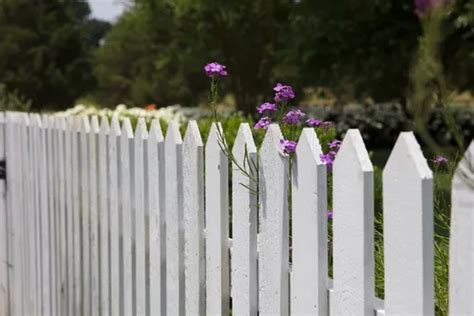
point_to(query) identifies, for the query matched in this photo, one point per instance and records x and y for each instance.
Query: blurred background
(380, 65)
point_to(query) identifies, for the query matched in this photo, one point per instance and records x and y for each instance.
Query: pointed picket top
(155, 133)
(244, 141)
(408, 220)
(465, 170)
(173, 135)
(214, 139)
(192, 136)
(141, 131)
(127, 131)
(309, 240)
(407, 150)
(104, 125)
(273, 238)
(353, 228)
(85, 126)
(244, 224)
(271, 142)
(353, 148)
(309, 146)
(115, 126)
(95, 124)
(461, 291)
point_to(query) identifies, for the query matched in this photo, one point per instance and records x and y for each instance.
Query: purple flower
(423, 6)
(215, 70)
(329, 214)
(312, 122)
(293, 117)
(288, 146)
(266, 107)
(440, 160)
(328, 159)
(264, 122)
(327, 124)
(283, 93)
(335, 144)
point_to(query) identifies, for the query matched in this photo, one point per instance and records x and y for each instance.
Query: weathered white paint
(85, 216)
(217, 224)
(76, 210)
(193, 205)
(244, 224)
(154, 187)
(45, 228)
(126, 187)
(103, 215)
(4, 289)
(68, 139)
(273, 238)
(62, 290)
(353, 229)
(174, 221)
(114, 196)
(141, 135)
(461, 260)
(94, 214)
(408, 230)
(309, 221)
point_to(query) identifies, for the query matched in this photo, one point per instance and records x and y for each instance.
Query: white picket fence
(104, 220)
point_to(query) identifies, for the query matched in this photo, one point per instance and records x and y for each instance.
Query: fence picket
(92, 140)
(35, 142)
(4, 288)
(85, 217)
(103, 200)
(193, 204)
(141, 135)
(61, 131)
(155, 196)
(115, 216)
(174, 221)
(217, 223)
(76, 199)
(309, 239)
(96, 221)
(126, 187)
(273, 238)
(353, 229)
(461, 271)
(408, 230)
(68, 139)
(244, 224)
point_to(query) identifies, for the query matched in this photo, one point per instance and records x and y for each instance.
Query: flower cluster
(293, 117)
(288, 146)
(328, 158)
(215, 70)
(283, 93)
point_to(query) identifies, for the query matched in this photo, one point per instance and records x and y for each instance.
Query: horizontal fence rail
(101, 218)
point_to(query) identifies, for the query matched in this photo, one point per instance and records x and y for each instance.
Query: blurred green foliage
(358, 49)
(45, 50)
